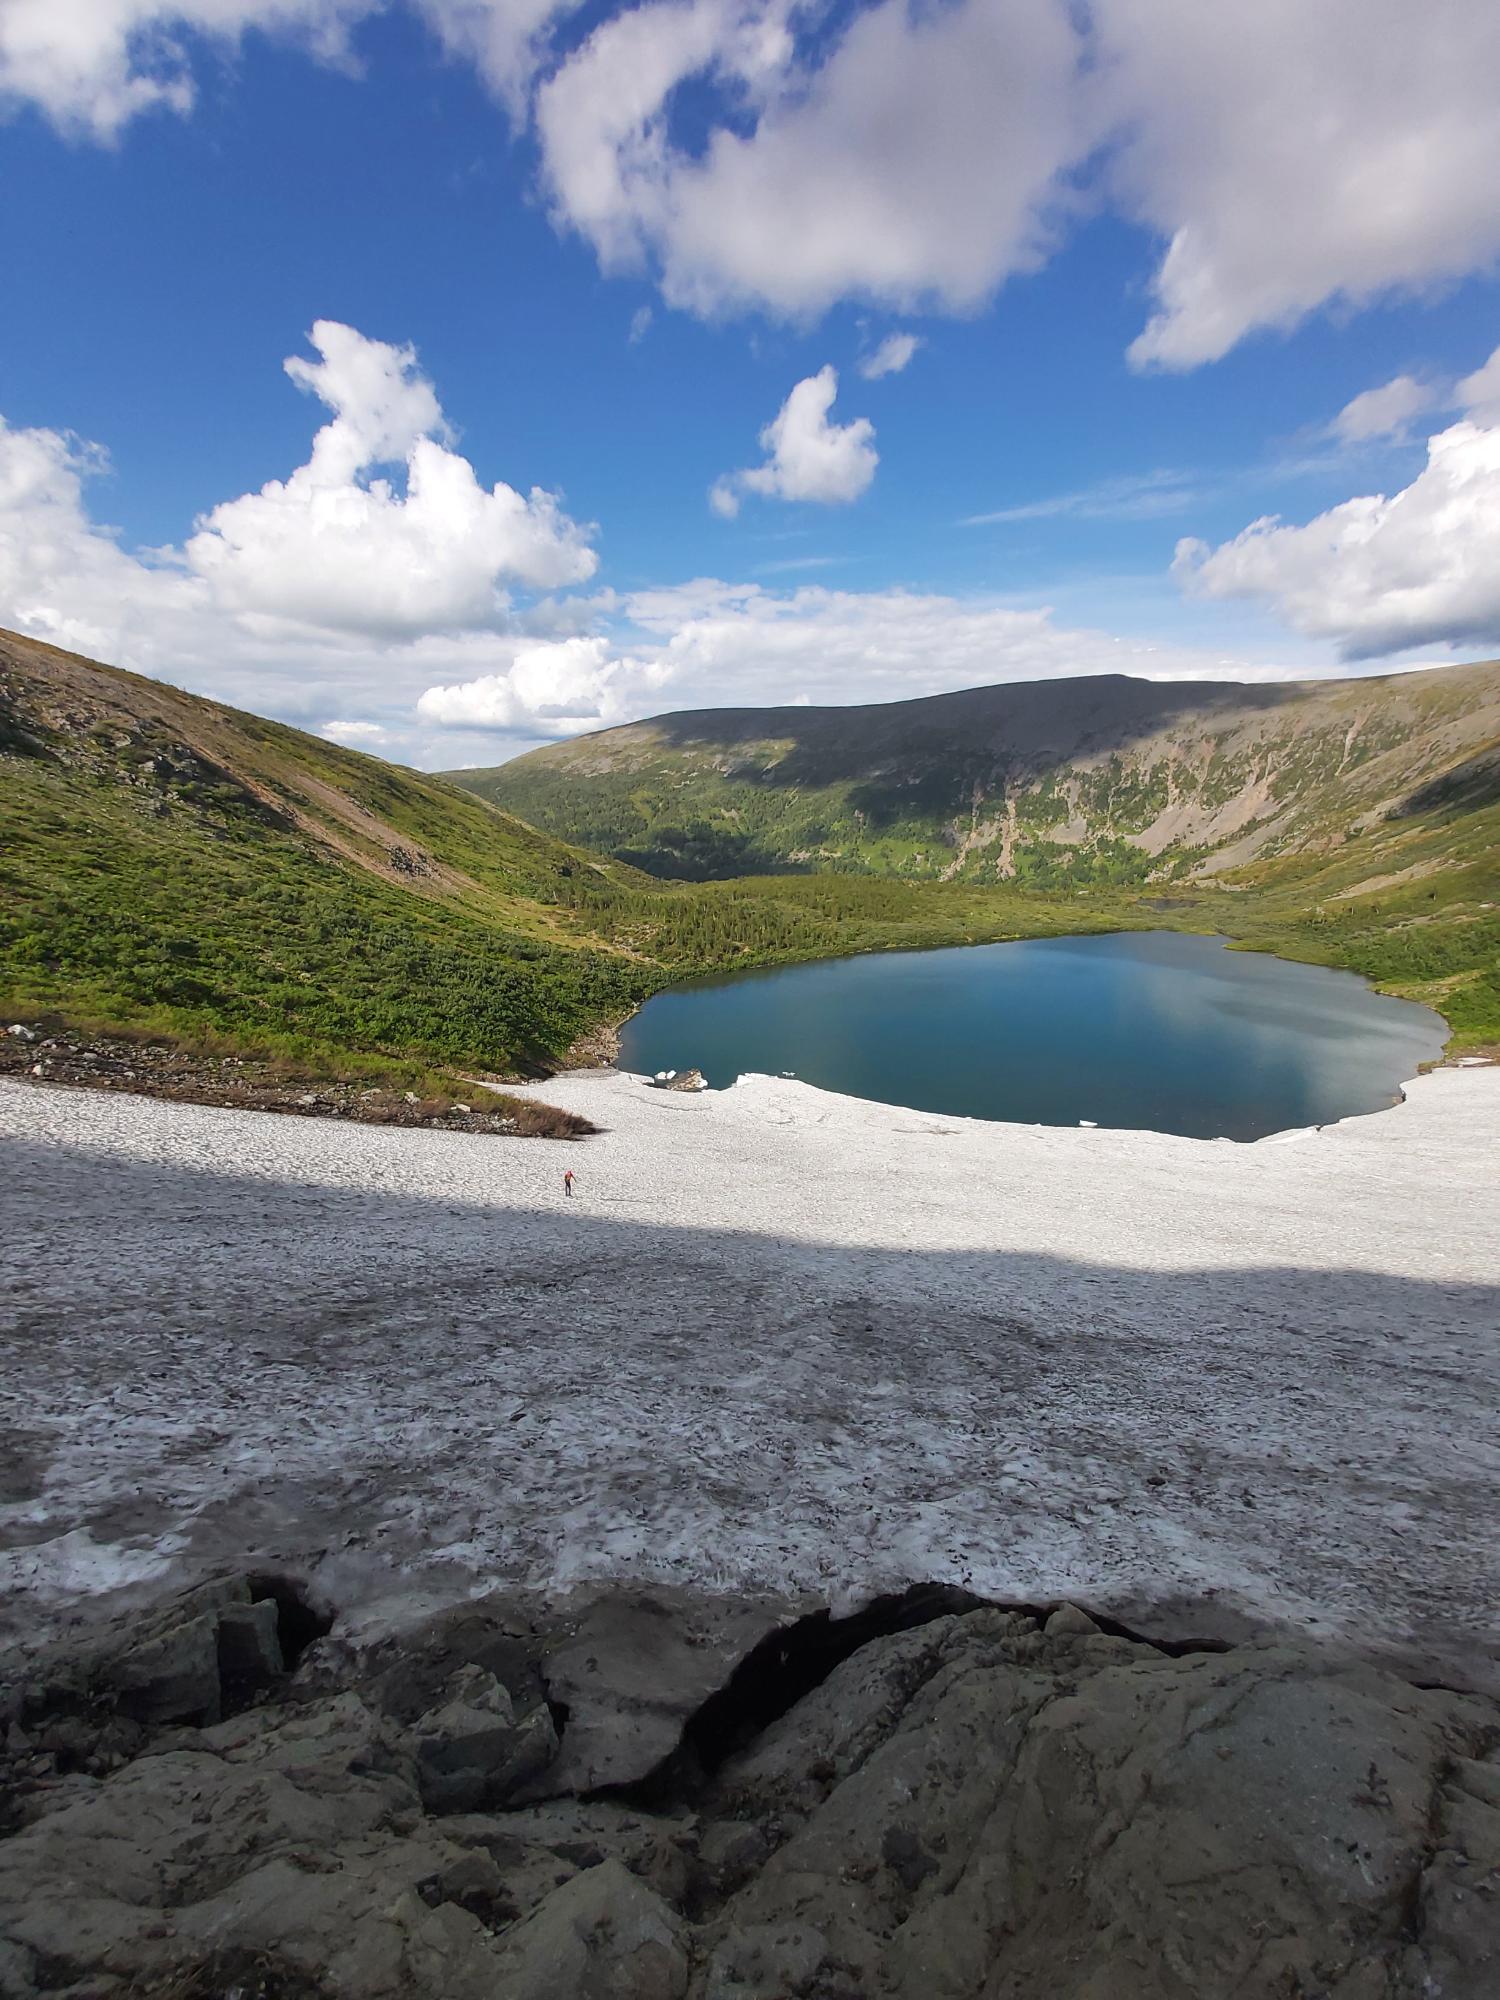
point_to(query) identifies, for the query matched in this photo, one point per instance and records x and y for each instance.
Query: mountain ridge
(1067, 783)
(171, 864)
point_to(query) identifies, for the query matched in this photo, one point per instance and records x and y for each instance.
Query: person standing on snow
(568, 1182)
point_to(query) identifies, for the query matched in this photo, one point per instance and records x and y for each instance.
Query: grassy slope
(1414, 904)
(1098, 782)
(1354, 824)
(170, 863)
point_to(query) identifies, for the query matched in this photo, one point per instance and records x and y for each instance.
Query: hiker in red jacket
(568, 1182)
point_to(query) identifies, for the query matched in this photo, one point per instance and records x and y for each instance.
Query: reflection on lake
(1140, 1029)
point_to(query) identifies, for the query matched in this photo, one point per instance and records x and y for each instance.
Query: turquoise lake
(1142, 1030)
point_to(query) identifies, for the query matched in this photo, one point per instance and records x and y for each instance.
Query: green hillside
(1355, 823)
(1055, 784)
(1412, 902)
(170, 863)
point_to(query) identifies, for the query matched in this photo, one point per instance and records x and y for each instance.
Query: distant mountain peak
(1060, 783)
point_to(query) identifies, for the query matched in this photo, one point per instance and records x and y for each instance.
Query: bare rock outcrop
(935, 1800)
(472, 1751)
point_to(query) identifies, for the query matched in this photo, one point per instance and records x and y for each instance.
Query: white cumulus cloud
(63, 577)
(505, 40)
(554, 689)
(915, 160)
(93, 65)
(1288, 156)
(1479, 393)
(358, 735)
(1294, 155)
(1284, 156)
(808, 457)
(335, 546)
(331, 598)
(1383, 572)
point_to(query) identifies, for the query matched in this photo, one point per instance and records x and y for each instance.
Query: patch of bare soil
(598, 1049)
(44, 1053)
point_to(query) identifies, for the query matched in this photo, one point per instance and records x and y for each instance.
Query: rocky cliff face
(665, 1797)
(1092, 780)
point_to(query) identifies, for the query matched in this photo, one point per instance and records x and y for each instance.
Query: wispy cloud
(1147, 496)
(1386, 412)
(800, 562)
(891, 356)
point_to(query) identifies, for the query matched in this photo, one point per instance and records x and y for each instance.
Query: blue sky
(610, 245)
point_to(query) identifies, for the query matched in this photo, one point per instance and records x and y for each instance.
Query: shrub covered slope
(1353, 822)
(170, 863)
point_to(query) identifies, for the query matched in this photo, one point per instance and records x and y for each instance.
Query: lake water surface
(1146, 1030)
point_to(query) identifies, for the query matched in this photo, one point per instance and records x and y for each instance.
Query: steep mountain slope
(1056, 784)
(169, 862)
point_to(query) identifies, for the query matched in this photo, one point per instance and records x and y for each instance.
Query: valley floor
(779, 1342)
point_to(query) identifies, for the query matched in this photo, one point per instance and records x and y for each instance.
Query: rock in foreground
(971, 1804)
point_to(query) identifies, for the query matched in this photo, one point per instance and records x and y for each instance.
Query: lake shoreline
(1146, 1030)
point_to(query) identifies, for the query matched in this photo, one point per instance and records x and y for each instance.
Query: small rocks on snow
(685, 1079)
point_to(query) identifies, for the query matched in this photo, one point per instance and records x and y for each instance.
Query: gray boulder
(471, 1750)
(172, 1675)
(766, 1962)
(602, 1936)
(983, 1811)
(249, 1650)
(631, 1666)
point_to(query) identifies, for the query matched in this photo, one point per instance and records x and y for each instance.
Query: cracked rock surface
(937, 1800)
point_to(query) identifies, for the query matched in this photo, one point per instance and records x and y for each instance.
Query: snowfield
(780, 1342)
